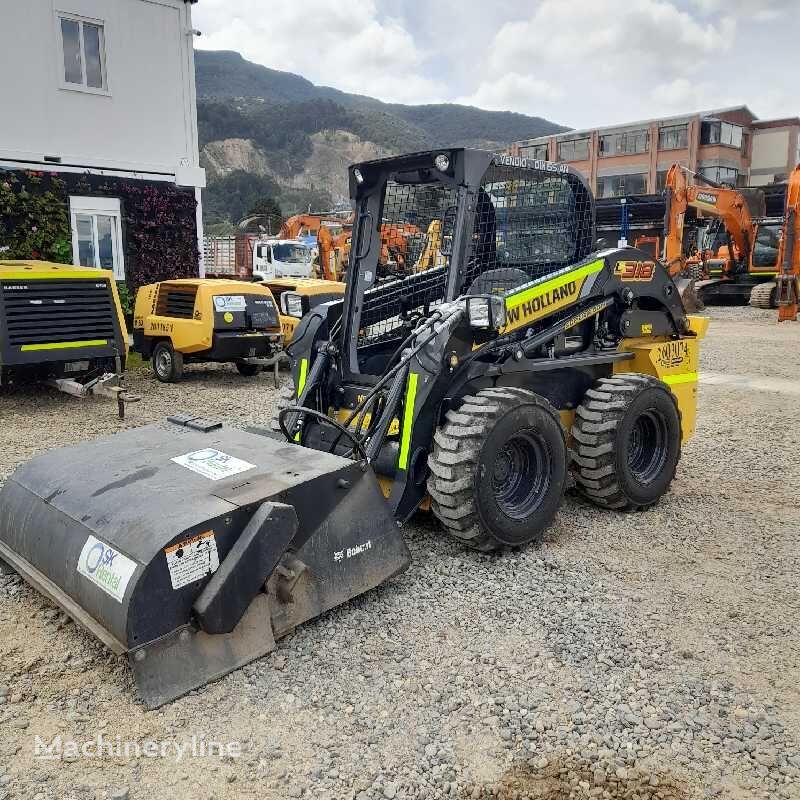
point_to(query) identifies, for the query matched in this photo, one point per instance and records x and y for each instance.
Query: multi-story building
(99, 161)
(728, 145)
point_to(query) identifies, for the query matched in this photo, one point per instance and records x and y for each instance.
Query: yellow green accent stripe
(555, 283)
(686, 377)
(301, 384)
(301, 380)
(64, 345)
(408, 419)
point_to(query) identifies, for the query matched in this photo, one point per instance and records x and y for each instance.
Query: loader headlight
(486, 312)
(442, 162)
(292, 305)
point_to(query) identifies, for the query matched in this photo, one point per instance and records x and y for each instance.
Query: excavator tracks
(764, 295)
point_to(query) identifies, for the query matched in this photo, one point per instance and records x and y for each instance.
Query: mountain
(299, 138)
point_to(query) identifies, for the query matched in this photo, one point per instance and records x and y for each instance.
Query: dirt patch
(564, 778)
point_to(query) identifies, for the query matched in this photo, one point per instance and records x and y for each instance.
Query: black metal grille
(176, 301)
(413, 224)
(527, 224)
(56, 311)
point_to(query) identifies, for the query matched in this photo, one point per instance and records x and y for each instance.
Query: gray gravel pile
(650, 656)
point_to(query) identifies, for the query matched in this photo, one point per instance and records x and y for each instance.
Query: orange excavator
(334, 252)
(787, 283)
(744, 268)
(399, 243)
(310, 224)
(404, 247)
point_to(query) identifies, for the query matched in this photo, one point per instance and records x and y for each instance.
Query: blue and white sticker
(213, 464)
(230, 302)
(106, 567)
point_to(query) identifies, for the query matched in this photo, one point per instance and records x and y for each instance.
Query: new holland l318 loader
(520, 357)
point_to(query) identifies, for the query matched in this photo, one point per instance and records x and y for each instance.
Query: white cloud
(607, 65)
(515, 91)
(578, 62)
(344, 44)
(760, 10)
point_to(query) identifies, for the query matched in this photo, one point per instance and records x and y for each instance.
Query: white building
(101, 95)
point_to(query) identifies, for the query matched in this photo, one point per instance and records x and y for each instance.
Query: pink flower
(34, 228)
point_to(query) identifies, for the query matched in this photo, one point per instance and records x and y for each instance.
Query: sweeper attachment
(190, 546)
(475, 386)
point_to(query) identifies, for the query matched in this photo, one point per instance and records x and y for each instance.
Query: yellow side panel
(673, 361)
(343, 413)
(288, 326)
(145, 304)
(386, 489)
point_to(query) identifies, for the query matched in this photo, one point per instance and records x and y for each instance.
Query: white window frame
(92, 206)
(82, 87)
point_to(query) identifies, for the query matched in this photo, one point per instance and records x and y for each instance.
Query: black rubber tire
(167, 362)
(248, 370)
(627, 436)
(764, 295)
(286, 398)
(472, 453)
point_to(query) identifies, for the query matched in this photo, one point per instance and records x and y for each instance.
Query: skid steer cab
(64, 325)
(195, 321)
(296, 297)
(521, 357)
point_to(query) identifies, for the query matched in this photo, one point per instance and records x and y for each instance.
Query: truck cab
(281, 258)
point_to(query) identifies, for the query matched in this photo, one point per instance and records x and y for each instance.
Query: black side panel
(35, 313)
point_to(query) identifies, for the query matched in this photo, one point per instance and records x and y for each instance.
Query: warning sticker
(213, 464)
(106, 567)
(192, 559)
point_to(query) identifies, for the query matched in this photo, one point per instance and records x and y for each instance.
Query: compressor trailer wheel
(627, 436)
(498, 468)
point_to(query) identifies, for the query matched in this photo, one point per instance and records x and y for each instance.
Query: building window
(661, 180)
(573, 150)
(536, 151)
(614, 144)
(726, 175)
(83, 47)
(716, 132)
(673, 137)
(97, 234)
(621, 185)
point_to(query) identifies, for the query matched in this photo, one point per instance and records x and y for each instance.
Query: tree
(269, 213)
(233, 195)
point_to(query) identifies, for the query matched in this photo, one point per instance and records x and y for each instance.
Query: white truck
(282, 258)
(249, 256)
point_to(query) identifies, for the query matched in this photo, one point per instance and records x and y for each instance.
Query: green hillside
(279, 112)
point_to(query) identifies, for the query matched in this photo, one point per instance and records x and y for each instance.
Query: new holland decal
(537, 301)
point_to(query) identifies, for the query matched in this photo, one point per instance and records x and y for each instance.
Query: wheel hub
(164, 362)
(521, 474)
(647, 446)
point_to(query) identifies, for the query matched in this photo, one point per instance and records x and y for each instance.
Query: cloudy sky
(577, 62)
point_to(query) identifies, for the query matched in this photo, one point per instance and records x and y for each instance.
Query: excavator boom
(788, 281)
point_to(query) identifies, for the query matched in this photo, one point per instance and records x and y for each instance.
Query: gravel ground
(652, 655)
